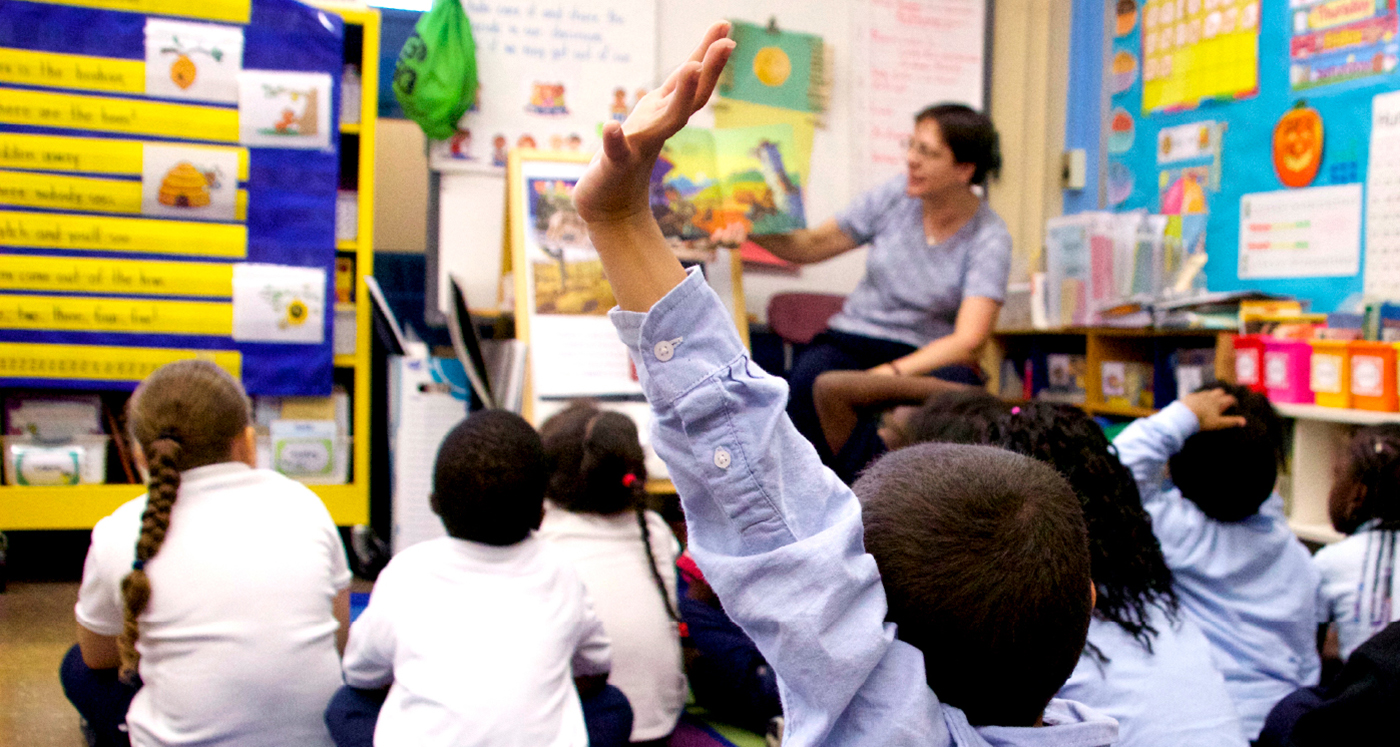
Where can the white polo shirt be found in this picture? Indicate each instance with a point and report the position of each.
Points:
(238, 642)
(481, 644)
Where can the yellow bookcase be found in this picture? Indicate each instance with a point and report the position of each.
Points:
(80, 507)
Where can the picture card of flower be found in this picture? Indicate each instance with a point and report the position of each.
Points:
(284, 110)
(279, 303)
(195, 61)
(193, 183)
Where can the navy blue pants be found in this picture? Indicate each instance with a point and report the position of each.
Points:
(832, 351)
(101, 698)
(352, 714)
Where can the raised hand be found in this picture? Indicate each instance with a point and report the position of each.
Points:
(1209, 406)
(614, 187)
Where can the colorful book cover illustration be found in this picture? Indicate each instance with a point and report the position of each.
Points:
(708, 179)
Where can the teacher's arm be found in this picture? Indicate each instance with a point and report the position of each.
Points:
(804, 246)
(976, 317)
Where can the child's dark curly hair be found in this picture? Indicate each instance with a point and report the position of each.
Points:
(1127, 564)
(1368, 480)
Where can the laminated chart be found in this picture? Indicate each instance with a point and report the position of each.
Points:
(167, 190)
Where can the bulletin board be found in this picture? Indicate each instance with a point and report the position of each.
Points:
(168, 176)
(1198, 90)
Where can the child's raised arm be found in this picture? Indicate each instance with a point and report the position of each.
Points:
(612, 194)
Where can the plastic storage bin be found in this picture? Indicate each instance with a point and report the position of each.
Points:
(1286, 371)
(1372, 375)
(1331, 373)
(1249, 362)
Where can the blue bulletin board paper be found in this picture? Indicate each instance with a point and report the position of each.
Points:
(1245, 163)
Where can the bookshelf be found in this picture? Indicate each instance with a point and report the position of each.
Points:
(80, 507)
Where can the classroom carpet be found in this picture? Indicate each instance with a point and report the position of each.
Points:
(696, 728)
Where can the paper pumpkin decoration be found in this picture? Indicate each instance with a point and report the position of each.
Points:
(1298, 145)
(184, 186)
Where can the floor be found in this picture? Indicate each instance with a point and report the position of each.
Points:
(36, 629)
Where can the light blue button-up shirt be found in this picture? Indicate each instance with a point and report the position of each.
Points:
(1250, 584)
(780, 539)
(1169, 697)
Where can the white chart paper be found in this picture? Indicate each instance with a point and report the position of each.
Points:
(1382, 279)
(1299, 233)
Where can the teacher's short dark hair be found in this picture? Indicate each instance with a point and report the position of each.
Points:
(970, 135)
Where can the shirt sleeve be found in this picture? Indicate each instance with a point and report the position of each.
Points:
(100, 607)
(861, 220)
(593, 655)
(368, 662)
(1147, 444)
(989, 264)
(339, 565)
(777, 535)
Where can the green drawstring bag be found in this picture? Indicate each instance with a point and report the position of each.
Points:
(435, 78)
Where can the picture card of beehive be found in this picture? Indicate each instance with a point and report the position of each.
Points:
(195, 61)
(191, 183)
(284, 110)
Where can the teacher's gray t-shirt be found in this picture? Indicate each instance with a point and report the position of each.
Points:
(912, 289)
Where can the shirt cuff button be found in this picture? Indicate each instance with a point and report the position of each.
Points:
(722, 458)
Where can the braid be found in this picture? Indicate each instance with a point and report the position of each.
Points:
(164, 487)
(651, 564)
(184, 415)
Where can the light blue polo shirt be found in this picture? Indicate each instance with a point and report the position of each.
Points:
(912, 289)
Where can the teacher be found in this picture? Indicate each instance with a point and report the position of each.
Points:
(936, 272)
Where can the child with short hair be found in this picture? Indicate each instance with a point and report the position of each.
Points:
(970, 608)
(1144, 664)
(225, 586)
(596, 516)
(481, 635)
(1239, 571)
(1358, 573)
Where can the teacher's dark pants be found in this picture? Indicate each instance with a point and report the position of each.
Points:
(833, 350)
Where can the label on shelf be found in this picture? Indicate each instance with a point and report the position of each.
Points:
(1276, 370)
(1327, 373)
(1247, 367)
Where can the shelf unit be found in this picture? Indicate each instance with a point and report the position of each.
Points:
(80, 507)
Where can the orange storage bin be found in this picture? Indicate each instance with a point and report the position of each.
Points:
(1249, 362)
(1331, 373)
(1372, 375)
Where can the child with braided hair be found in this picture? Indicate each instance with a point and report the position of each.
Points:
(225, 587)
(596, 516)
(1144, 664)
(1358, 573)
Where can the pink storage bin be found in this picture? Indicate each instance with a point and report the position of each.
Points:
(1288, 371)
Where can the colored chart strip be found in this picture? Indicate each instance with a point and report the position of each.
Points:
(55, 192)
(136, 235)
(20, 360)
(88, 155)
(54, 70)
(233, 11)
(26, 272)
(130, 116)
(78, 314)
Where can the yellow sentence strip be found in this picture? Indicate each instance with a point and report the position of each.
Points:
(42, 274)
(56, 70)
(88, 155)
(130, 116)
(233, 11)
(100, 362)
(55, 192)
(137, 235)
(137, 316)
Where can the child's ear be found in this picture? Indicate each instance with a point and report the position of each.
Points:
(433, 503)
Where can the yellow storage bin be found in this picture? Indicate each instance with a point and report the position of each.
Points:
(1331, 373)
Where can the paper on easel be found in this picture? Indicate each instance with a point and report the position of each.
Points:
(423, 409)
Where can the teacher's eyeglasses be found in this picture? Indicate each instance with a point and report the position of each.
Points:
(918, 149)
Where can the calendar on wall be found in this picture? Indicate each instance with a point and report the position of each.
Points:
(1382, 275)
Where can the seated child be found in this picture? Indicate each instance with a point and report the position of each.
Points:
(971, 606)
(1358, 573)
(1144, 664)
(1239, 571)
(225, 586)
(479, 635)
(595, 516)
